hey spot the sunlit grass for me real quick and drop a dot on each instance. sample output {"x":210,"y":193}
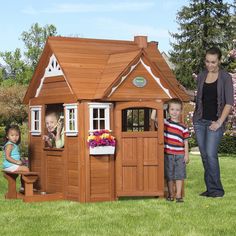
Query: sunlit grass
{"x":148,"y":216}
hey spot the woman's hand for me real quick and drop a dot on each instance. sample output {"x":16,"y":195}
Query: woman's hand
{"x":215,"y":125}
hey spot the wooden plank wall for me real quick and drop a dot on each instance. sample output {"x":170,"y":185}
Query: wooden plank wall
{"x":101,"y":178}
{"x":54,"y":171}
{"x":72,"y":181}
{"x":52,"y":86}
{"x":35,"y":158}
{"x":127,"y":91}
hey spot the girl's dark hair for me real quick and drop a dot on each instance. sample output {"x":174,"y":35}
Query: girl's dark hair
{"x":214,"y":51}
{"x":12,"y":127}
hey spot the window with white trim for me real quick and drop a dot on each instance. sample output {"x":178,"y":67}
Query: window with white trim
{"x":99,"y":114}
{"x":71,"y":125}
{"x":35,"y":114}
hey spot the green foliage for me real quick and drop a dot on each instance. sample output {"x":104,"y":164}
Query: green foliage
{"x":24,"y":140}
{"x":2,"y":136}
{"x":228,"y":145}
{"x":202,"y":24}
{"x":12,"y":109}
{"x":18,"y":70}
{"x":15,"y":69}
{"x":192,"y":141}
{"x":34,"y":41}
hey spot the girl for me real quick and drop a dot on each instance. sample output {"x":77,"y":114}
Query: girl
{"x":11,"y":154}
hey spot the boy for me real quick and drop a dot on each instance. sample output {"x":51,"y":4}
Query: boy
{"x":176,"y":149}
{"x":55,"y":137}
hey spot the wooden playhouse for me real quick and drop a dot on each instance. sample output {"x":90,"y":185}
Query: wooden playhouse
{"x":100,"y":84}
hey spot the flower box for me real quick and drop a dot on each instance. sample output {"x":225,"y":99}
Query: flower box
{"x":102,"y":150}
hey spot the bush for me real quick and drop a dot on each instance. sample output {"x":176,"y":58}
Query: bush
{"x":24,"y":139}
{"x":228,"y":145}
{"x":2,"y":135}
{"x":192,"y":141}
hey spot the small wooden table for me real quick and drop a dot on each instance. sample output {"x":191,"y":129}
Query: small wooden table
{"x":28,"y":177}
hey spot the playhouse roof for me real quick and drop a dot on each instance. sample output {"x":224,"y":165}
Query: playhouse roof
{"x":92,"y":66}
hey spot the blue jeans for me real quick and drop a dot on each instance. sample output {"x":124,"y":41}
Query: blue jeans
{"x":208,"y":142}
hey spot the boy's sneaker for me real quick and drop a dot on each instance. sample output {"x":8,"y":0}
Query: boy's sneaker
{"x":179,"y":200}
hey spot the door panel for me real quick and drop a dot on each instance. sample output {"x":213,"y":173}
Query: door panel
{"x":139,"y":156}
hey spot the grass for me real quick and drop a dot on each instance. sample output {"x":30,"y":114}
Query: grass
{"x":144,"y":216}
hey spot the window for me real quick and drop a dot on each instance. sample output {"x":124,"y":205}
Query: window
{"x":35,"y":114}
{"x":71,"y":127}
{"x":99,"y":116}
{"x":136,"y":119}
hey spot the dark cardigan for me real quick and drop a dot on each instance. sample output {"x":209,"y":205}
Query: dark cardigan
{"x":225,"y":93}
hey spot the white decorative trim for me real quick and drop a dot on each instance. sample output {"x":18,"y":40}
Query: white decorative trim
{"x":53,"y":69}
{"x":102,"y":150}
{"x":105,"y":106}
{"x":34,"y":109}
{"x":68,"y":131}
{"x":148,"y":68}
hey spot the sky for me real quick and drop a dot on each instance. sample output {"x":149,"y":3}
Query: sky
{"x":105,"y":19}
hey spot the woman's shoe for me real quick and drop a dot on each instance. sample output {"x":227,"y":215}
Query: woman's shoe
{"x":204,"y":194}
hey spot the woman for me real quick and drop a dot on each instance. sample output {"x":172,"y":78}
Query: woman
{"x":213,"y":104}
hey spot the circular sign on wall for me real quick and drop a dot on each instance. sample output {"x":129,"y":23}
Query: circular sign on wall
{"x":139,"y":81}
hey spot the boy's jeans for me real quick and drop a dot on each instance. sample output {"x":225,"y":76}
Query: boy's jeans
{"x":208,"y":142}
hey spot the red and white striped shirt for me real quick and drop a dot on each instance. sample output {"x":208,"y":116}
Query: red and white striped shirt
{"x":174,"y":135}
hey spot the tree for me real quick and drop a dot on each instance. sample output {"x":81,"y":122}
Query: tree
{"x":12,"y":108}
{"x":34,"y":41}
{"x":202,"y":24}
{"x":14,"y":69}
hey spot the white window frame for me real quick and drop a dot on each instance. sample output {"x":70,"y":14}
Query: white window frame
{"x":33,"y":110}
{"x":68,"y":131}
{"x":105,"y":106}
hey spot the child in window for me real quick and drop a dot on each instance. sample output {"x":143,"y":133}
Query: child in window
{"x":54,"y":125}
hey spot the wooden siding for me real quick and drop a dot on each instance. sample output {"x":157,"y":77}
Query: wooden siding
{"x":54,"y":171}
{"x":127,"y":90}
{"x":72,"y":181}
{"x":54,"y":86}
{"x":101,"y":178}
{"x":35,"y":158}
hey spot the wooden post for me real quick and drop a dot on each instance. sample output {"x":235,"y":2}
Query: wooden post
{"x":29,"y":180}
{"x":11,"y":179}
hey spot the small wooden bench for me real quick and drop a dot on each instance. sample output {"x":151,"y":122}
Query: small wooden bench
{"x":28,"y":177}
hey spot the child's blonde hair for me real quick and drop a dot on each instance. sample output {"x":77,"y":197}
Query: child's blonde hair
{"x":49,"y":113}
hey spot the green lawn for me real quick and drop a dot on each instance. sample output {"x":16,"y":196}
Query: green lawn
{"x":196,"y":216}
